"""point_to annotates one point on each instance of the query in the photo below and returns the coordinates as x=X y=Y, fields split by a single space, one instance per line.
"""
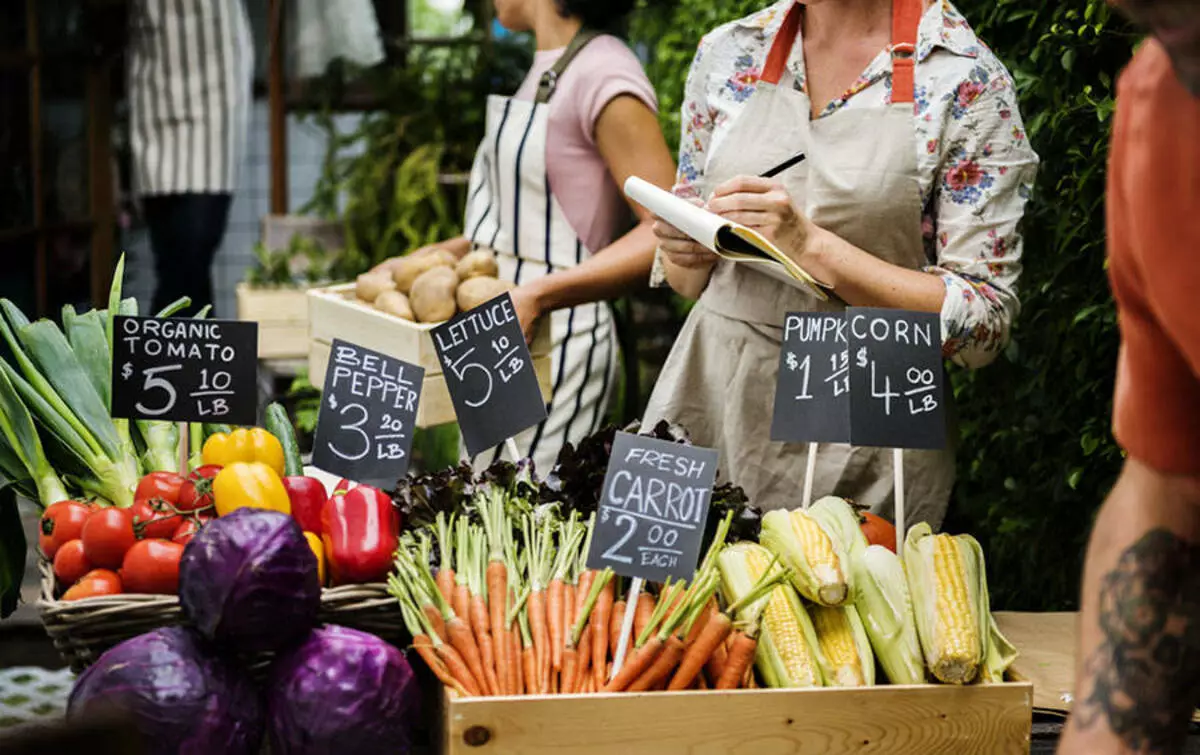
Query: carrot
x=711 y=637
x=585 y=584
x=709 y=609
x=436 y=622
x=635 y=665
x=585 y=659
x=643 y=612
x=715 y=665
x=615 y=621
x=483 y=638
x=739 y=659
x=497 y=590
x=460 y=638
x=700 y=682
x=529 y=664
x=569 y=595
x=458 y=668
x=570 y=661
x=589 y=685
x=541 y=639
x=424 y=647
x=601 y=616
x=555 y=598
x=445 y=583
x=461 y=602
x=515 y=683
x=662 y=667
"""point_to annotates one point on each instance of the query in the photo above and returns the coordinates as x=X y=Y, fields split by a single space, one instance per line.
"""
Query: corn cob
x=844 y=645
x=885 y=607
x=787 y=653
x=838 y=517
x=814 y=555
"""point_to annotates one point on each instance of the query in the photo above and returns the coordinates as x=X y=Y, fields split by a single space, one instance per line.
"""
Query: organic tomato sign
x=812 y=396
x=489 y=373
x=185 y=370
x=368 y=413
x=653 y=508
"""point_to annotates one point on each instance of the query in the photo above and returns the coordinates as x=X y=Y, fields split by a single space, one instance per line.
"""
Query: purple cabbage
x=248 y=580
x=182 y=699
x=341 y=692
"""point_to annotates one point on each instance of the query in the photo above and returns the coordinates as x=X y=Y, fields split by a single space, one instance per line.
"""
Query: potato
x=476 y=264
x=369 y=286
x=432 y=295
x=471 y=293
x=409 y=269
x=395 y=303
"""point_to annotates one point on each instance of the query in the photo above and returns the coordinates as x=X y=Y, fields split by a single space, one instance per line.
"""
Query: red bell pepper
x=360 y=530
x=307 y=496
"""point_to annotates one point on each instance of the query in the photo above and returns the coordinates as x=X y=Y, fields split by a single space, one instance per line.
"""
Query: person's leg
x=185 y=232
x=1138 y=667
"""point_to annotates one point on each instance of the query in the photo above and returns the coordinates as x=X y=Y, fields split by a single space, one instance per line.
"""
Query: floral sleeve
x=697 y=122
x=985 y=176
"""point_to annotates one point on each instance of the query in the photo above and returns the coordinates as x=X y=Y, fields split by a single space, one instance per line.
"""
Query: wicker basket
x=82 y=630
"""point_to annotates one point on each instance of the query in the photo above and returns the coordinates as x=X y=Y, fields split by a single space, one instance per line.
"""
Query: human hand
x=764 y=205
x=681 y=249
x=529 y=309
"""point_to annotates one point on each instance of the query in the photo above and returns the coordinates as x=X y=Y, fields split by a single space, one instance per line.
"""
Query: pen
x=784 y=166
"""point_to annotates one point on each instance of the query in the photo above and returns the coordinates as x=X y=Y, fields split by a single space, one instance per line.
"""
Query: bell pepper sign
x=360 y=531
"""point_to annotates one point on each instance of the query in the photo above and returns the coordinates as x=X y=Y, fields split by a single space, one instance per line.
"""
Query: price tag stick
x=513 y=451
x=635 y=589
x=898 y=475
x=810 y=469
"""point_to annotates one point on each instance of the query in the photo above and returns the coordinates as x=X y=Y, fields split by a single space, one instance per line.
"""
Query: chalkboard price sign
x=653 y=508
x=368 y=413
x=489 y=373
x=812 y=396
x=185 y=370
x=896 y=379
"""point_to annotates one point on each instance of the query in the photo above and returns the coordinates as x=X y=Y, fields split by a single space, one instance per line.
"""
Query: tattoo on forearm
x=1147 y=669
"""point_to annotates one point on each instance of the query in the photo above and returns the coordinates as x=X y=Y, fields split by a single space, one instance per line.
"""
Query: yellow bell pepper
x=249 y=485
x=318 y=549
x=255 y=444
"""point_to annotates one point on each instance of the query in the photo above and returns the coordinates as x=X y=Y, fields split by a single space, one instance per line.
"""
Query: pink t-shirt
x=606 y=68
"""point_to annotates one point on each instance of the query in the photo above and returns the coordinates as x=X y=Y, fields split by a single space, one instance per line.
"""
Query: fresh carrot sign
x=653 y=508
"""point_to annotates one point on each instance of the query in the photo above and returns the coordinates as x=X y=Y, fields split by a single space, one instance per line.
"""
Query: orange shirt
x=1154 y=263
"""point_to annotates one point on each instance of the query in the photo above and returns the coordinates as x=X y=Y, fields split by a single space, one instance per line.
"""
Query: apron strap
x=781 y=48
x=906 y=19
x=549 y=81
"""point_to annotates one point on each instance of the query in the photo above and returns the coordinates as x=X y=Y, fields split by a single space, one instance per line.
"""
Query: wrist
x=539 y=295
x=818 y=257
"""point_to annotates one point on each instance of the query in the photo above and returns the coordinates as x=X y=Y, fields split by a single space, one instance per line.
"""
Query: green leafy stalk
x=20 y=434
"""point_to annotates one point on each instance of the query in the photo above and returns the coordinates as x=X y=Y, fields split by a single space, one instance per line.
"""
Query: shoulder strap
x=906 y=19
x=549 y=82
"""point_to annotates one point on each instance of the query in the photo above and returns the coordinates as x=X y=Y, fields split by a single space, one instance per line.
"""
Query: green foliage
x=303 y=262
x=1036 y=456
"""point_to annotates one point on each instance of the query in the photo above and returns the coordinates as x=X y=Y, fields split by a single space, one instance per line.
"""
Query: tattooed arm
x=1138 y=675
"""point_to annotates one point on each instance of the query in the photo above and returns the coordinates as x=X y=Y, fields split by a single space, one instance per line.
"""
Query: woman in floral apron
x=915 y=179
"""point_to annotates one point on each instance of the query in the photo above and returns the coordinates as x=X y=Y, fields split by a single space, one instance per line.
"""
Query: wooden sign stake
x=184 y=450
x=635 y=589
x=898 y=475
x=513 y=451
x=810 y=469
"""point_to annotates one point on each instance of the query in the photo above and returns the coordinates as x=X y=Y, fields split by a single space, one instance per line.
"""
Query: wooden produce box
x=282 y=317
x=888 y=720
x=334 y=312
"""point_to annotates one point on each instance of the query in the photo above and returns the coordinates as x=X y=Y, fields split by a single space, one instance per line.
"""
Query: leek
x=20 y=435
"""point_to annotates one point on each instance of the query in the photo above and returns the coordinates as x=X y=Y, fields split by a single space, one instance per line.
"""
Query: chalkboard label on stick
x=896 y=379
x=489 y=373
x=185 y=370
x=812 y=395
x=653 y=508
x=368 y=413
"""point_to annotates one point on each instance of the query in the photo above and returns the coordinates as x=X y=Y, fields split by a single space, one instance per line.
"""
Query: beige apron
x=860 y=182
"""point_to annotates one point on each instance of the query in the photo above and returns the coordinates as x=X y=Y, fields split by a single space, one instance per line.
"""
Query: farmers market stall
x=626 y=585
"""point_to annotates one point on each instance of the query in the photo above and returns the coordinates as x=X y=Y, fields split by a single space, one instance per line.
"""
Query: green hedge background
x=1037 y=456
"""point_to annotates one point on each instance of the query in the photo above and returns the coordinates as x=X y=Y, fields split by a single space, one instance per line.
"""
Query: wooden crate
x=888 y=720
x=282 y=317
x=334 y=312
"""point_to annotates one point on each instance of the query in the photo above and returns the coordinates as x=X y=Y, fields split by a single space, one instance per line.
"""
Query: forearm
x=863 y=280
x=608 y=274
x=1139 y=632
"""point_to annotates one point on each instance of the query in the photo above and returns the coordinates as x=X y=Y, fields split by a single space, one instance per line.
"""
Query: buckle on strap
x=903 y=51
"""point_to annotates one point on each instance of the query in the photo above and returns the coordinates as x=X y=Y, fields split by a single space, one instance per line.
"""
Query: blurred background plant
x=1036 y=456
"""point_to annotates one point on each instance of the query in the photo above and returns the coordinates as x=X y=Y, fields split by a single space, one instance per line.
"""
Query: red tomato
x=70 y=563
x=164 y=485
x=154 y=517
x=61 y=522
x=196 y=492
x=94 y=583
x=152 y=566
x=107 y=534
x=189 y=527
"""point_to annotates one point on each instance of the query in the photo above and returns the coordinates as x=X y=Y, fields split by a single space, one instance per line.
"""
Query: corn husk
x=814 y=555
x=885 y=607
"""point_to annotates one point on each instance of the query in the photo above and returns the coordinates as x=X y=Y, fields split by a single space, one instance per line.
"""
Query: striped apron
x=512 y=211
